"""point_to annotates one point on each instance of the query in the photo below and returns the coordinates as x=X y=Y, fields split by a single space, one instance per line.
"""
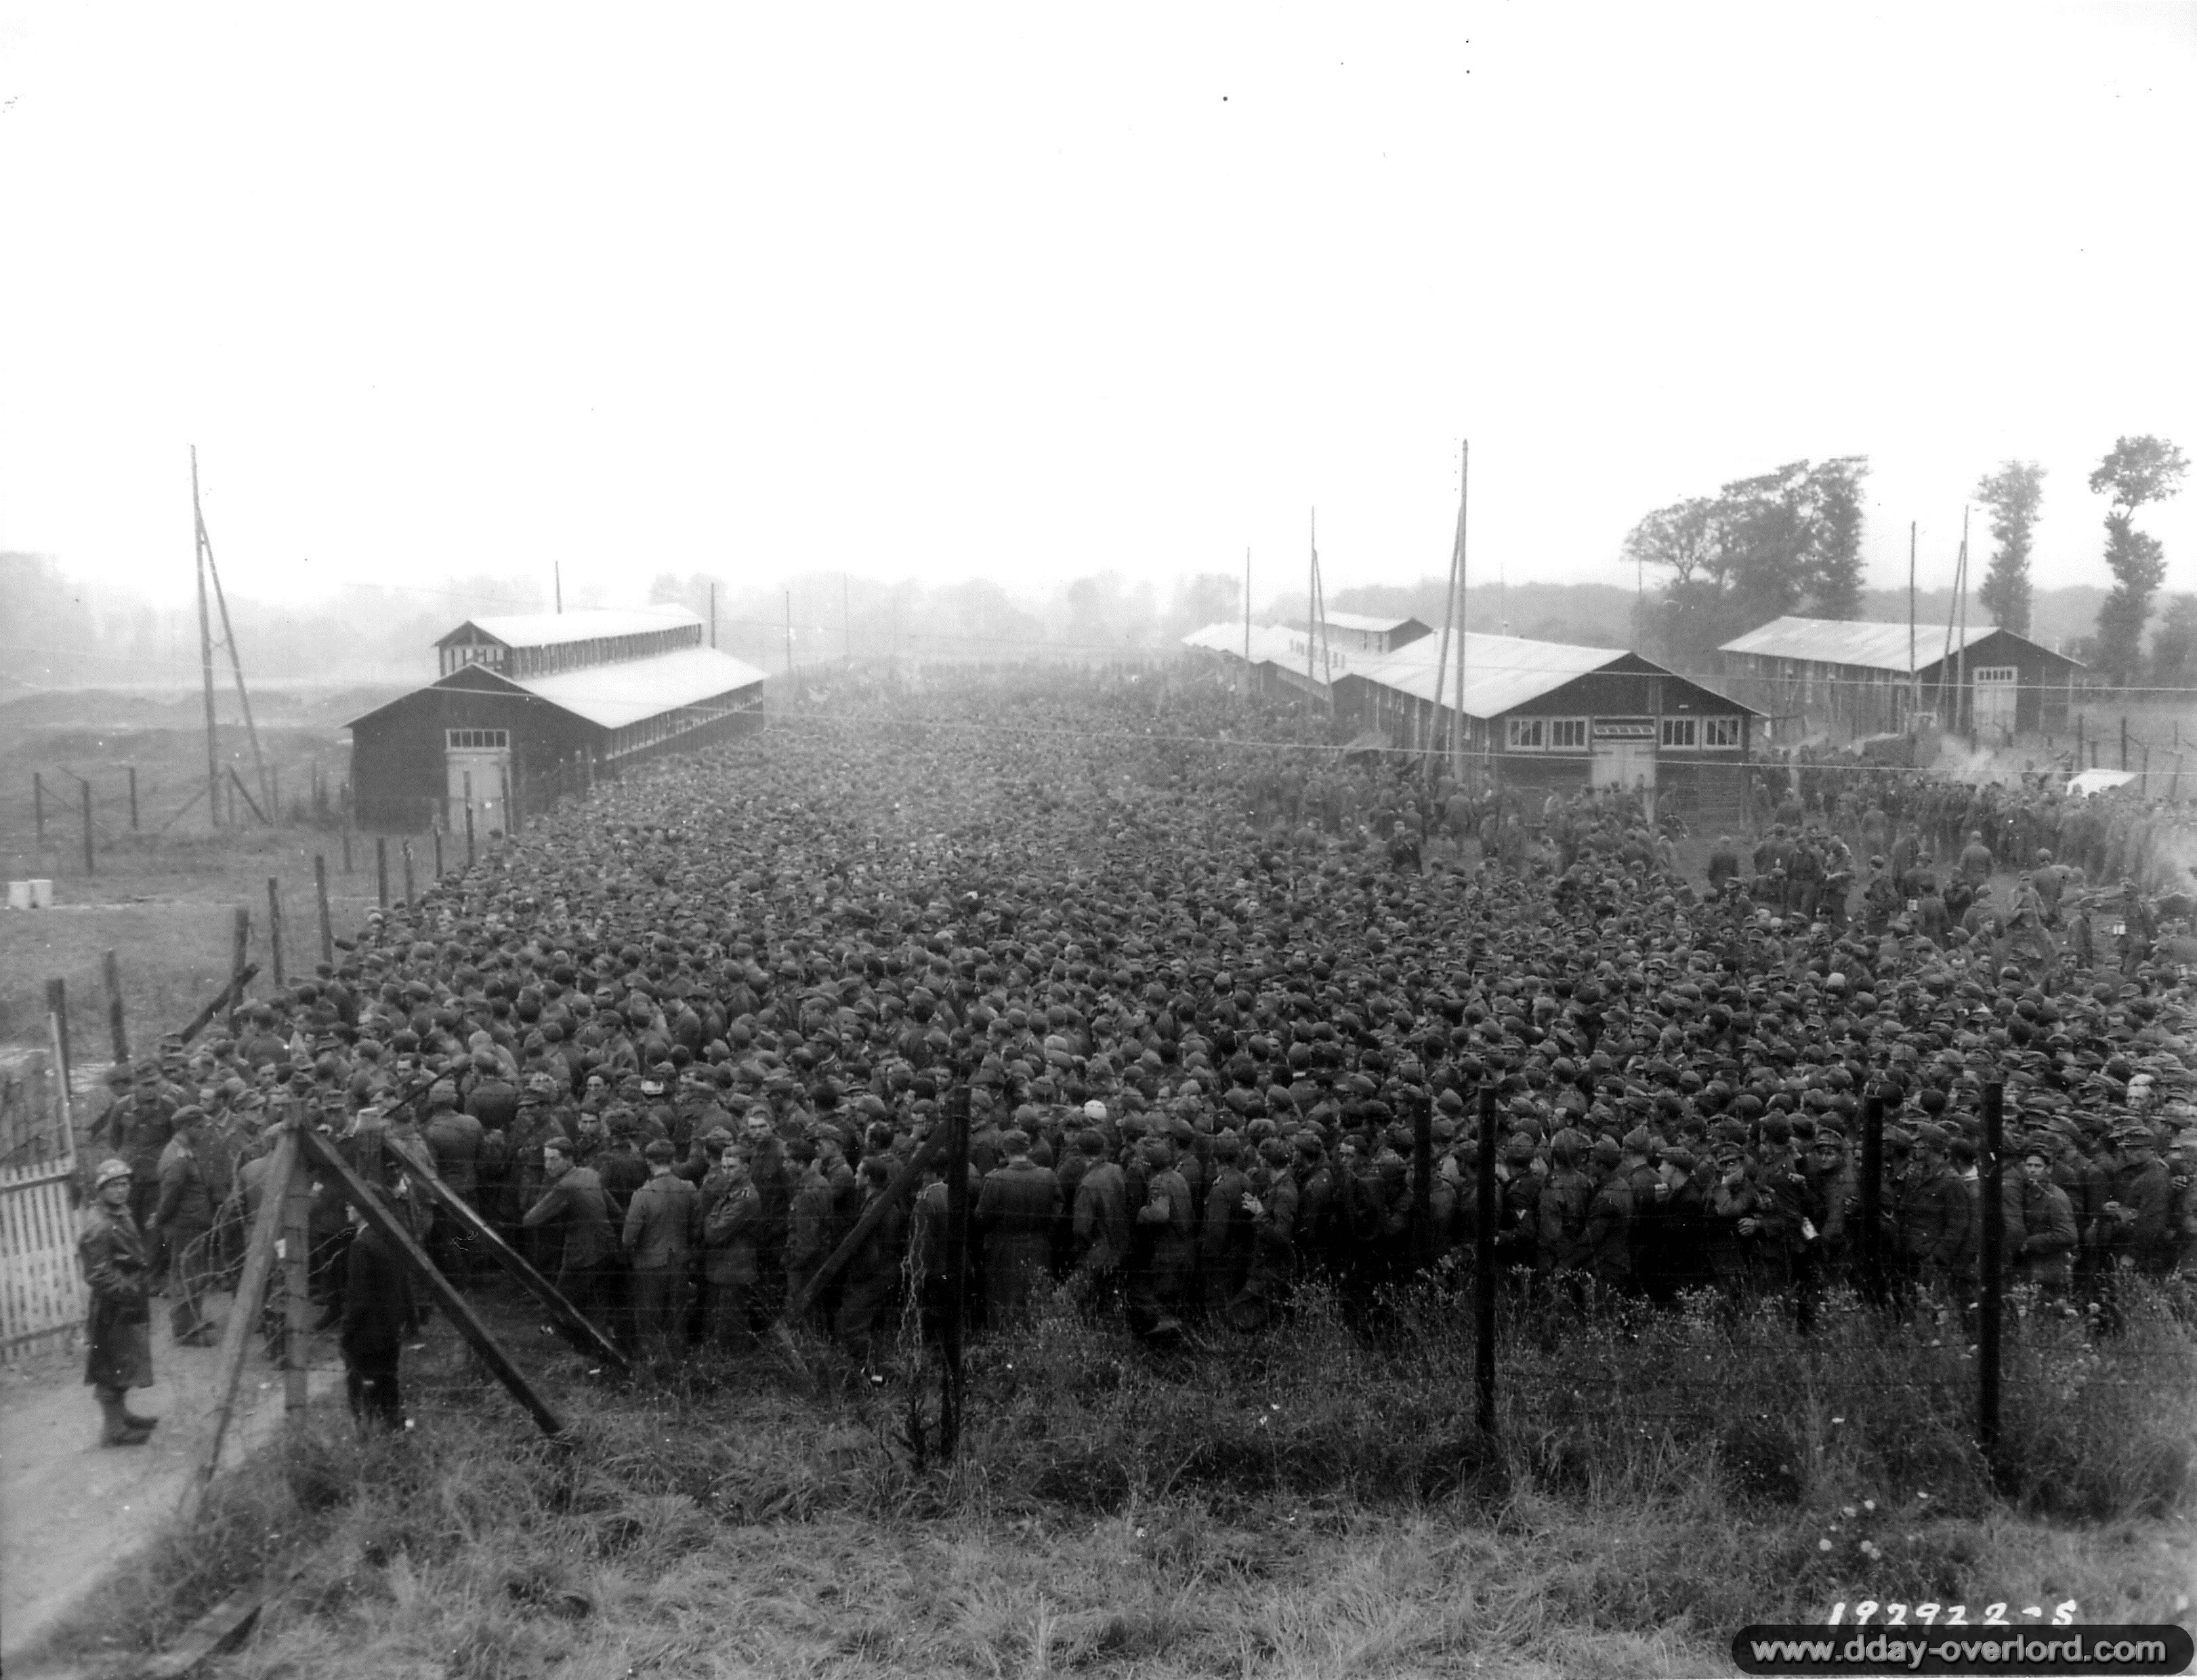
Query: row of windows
x=478 y=739
x=665 y=725
x=569 y=656
x=1571 y=734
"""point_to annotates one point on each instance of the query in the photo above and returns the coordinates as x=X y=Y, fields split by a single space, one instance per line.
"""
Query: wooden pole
x=110 y=973
x=57 y=1006
x=957 y=1262
x=240 y=945
x=1993 y=1259
x=437 y=832
x=1483 y=1276
x=325 y=1156
x=206 y=651
x=381 y=868
x=903 y=1183
x=133 y=798
x=297 y=1286
x=1464 y=511
x=275 y=931
x=243 y=792
x=469 y=820
x=571 y=1323
x=1962 y=708
x=1914 y=665
x=39 y=806
x=411 y=891
x=91 y=868
x=235 y=988
x=1422 y=1189
x=321 y=903
x=250 y=1288
x=1441 y=658
x=346 y=836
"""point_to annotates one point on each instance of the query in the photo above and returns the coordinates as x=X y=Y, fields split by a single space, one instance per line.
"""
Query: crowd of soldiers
x=1199 y=993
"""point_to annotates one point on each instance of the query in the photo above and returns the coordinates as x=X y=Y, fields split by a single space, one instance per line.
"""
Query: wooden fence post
x=275 y=929
x=57 y=1006
x=111 y=974
x=239 y=951
x=236 y=1329
x=39 y=806
x=296 y=1285
x=321 y=898
x=90 y=867
x=1483 y=1276
x=133 y=798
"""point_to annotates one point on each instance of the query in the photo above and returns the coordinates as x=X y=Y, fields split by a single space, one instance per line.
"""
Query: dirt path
x=70 y=1510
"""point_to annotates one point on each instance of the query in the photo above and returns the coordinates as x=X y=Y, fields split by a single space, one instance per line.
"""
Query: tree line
x=1788 y=541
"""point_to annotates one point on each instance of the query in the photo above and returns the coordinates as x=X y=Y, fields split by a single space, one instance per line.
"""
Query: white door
x=477 y=771
x=1996 y=688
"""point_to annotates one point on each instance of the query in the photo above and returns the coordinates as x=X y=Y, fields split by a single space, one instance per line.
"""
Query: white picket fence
x=41 y=1291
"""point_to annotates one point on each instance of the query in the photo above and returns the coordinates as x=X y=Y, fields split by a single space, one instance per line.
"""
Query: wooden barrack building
x=529 y=701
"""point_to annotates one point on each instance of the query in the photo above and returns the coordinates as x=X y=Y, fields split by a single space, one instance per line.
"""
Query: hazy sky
x=1029 y=291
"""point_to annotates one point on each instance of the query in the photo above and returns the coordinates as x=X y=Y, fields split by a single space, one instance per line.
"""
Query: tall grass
x=1316 y=1501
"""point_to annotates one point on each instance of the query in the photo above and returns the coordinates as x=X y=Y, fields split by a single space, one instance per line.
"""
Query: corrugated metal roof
x=1500 y=672
x=1283 y=645
x=614 y=696
x=549 y=629
x=1359 y=621
x=1838 y=641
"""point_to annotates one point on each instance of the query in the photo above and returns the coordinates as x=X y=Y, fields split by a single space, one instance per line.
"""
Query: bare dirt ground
x=71 y=1510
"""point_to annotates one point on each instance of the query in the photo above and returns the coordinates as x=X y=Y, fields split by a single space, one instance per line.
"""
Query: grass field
x=162 y=897
x=1313 y=1504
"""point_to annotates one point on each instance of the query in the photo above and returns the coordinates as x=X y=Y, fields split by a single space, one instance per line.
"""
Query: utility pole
x=1247 y=619
x=1441 y=658
x=1463 y=504
x=1914 y=680
x=228 y=639
x=205 y=654
x=557 y=583
x=1961 y=707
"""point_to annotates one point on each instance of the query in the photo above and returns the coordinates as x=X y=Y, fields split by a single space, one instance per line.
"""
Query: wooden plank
x=220 y=1629
x=234 y=989
x=482 y=1340
x=571 y=1324
x=236 y=1329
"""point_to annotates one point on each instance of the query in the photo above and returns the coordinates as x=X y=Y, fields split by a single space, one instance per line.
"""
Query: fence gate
x=41 y=1291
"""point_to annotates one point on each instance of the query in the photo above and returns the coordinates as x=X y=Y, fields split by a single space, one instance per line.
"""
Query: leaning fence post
x=1993 y=1257
x=321 y=899
x=1483 y=1276
x=275 y=929
x=240 y=946
x=110 y=973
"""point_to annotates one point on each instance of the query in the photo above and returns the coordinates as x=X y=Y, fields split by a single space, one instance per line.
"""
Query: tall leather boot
x=132 y=1418
x=117 y=1431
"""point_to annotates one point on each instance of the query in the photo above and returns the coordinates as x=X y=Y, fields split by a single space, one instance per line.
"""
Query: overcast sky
x=1029 y=291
